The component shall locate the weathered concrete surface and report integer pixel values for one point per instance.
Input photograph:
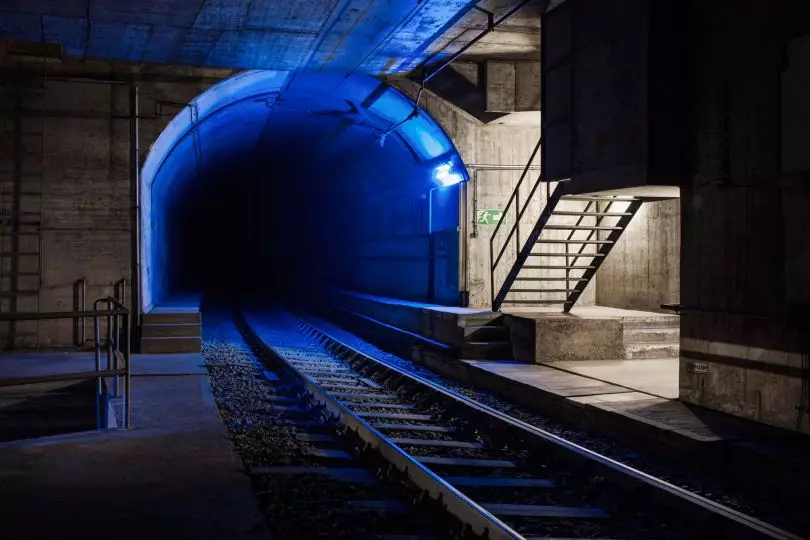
(643, 268)
(512, 86)
(745, 259)
(175, 474)
(590, 333)
(548, 338)
(78, 157)
(607, 106)
(374, 36)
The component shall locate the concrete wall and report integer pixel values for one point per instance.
(610, 73)
(485, 148)
(746, 260)
(81, 154)
(643, 269)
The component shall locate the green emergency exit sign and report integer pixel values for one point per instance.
(489, 217)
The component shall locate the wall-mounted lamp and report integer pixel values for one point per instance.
(444, 175)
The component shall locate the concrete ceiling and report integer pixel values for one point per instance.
(372, 36)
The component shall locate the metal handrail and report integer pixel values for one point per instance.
(118, 324)
(519, 212)
(514, 194)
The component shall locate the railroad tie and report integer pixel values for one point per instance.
(379, 405)
(498, 481)
(467, 462)
(436, 442)
(534, 510)
(396, 416)
(415, 427)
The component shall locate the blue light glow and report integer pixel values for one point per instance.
(445, 177)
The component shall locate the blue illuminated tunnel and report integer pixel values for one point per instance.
(288, 180)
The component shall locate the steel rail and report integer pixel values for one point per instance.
(469, 513)
(732, 523)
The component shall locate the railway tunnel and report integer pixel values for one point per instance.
(504, 268)
(268, 183)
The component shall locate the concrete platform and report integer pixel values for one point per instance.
(174, 475)
(631, 400)
(658, 377)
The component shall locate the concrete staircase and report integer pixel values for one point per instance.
(655, 337)
(475, 336)
(171, 331)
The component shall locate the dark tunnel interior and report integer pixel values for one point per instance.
(283, 192)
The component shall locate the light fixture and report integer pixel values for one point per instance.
(445, 177)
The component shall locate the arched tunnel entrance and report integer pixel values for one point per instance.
(276, 183)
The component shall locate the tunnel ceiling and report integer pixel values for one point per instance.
(372, 36)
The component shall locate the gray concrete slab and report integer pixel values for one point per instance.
(175, 474)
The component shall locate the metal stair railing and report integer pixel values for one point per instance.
(525, 252)
(118, 320)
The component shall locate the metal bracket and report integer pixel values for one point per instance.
(490, 16)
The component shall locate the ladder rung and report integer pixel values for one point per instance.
(567, 255)
(546, 241)
(19, 254)
(21, 194)
(581, 228)
(12, 294)
(597, 214)
(558, 267)
(23, 274)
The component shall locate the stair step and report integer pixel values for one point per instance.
(171, 345)
(617, 198)
(652, 335)
(549, 241)
(647, 351)
(600, 214)
(653, 322)
(581, 228)
(171, 317)
(557, 267)
(533, 302)
(485, 333)
(566, 255)
(171, 330)
(543, 291)
(550, 279)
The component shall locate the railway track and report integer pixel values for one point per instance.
(499, 477)
(310, 479)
